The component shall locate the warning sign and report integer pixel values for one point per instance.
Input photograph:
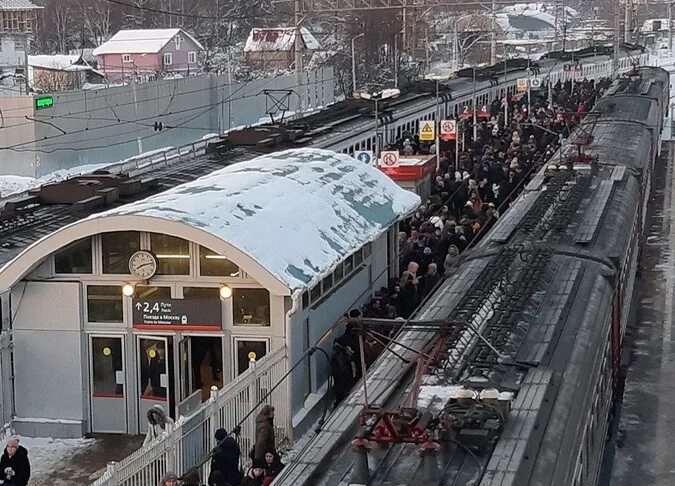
(427, 131)
(365, 156)
(535, 83)
(522, 84)
(448, 130)
(390, 158)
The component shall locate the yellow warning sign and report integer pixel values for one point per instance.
(522, 85)
(427, 130)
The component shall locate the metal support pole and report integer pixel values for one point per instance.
(438, 125)
(298, 53)
(529, 102)
(493, 40)
(617, 28)
(377, 134)
(354, 63)
(670, 26)
(626, 23)
(506, 94)
(475, 126)
(395, 60)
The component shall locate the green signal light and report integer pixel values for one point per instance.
(44, 102)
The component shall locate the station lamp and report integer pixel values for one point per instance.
(128, 289)
(225, 291)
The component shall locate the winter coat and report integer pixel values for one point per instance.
(19, 464)
(264, 435)
(249, 481)
(226, 460)
(273, 470)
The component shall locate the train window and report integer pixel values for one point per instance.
(368, 144)
(172, 253)
(212, 264)
(366, 250)
(104, 303)
(251, 307)
(349, 264)
(305, 299)
(75, 258)
(116, 250)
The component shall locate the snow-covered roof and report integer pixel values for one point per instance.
(278, 40)
(58, 61)
(18, 5)
(140, 41)
(298, 213)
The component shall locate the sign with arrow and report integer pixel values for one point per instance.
(193, 314)
(427, 130)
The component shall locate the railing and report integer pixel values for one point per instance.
(193, 438)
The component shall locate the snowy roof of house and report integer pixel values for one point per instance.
(298, 213)
(140, 41)
(18, 5)
(278, 40)
(58, 62)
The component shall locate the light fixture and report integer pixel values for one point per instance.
(225, 291)
(128, 289)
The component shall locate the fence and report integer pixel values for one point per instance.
(193, 437)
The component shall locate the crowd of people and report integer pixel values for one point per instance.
(226, 458)
(467, 198)
(470, 193)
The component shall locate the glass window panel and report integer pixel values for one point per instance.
(358, 258)
(106, 358)
(117, 248)
(327, 283)
(315, 293)
(366, 251)
(74, 259)
(338, 274)
(172, 253)
(244, 348)
(104, 303)
(201, 293)
(213, 265)
(152, 292)
(305, 299)
(349, 265)
(251, 307)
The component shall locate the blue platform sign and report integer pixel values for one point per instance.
(365, 156)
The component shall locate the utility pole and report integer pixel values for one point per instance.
(395, 60)
(626, 23)
(617, 33)
(670, 26)
(298, 52)
(493, 41)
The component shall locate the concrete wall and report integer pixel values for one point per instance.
(111, 124)
(53, 342)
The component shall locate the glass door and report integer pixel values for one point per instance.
(108, 386)
(155, 376)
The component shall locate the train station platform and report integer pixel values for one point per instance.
(645, 449)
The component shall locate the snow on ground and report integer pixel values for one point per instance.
(13, 184)
(48, 454)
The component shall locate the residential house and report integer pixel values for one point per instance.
(146, 54)
(18, 25)
(275, 48)
(60, 73)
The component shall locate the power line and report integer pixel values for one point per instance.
(181, 14)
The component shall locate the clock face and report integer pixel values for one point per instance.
(143, 264)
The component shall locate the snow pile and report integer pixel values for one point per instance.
(436, 396)
(48, 454)
(298, 213)
(12, 184)
(278, 40)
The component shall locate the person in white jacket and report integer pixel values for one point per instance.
(159, 425)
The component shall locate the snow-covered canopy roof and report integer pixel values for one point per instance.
(58, 62)
(140, 41)
(18, 5)
(278, 40)
(297, 213)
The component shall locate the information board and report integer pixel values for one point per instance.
(177, 313)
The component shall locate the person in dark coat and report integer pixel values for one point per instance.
(255, 475)
(14, 464)
(226, 458)
(273, 465)
(264, 432)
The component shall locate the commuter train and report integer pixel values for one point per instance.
(522, 392)
(458, 93)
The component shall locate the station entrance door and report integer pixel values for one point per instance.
(155, 377)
